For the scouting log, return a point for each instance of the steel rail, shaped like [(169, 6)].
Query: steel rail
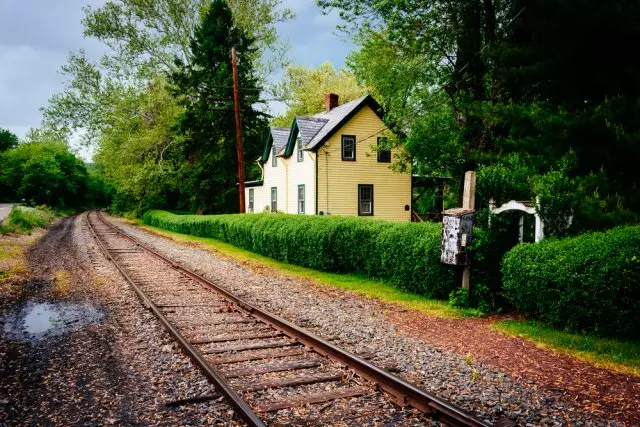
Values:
[(404, 392), (240, 405)]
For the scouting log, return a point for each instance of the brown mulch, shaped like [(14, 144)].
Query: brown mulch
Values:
[(597, 390)]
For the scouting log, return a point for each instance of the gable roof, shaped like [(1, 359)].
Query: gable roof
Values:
[(278, 137), (337, 116), (315, 130)]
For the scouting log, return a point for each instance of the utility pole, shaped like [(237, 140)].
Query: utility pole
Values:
[(240, 149)]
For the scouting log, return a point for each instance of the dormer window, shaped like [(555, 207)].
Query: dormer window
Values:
[(299, 149), (274, 158)]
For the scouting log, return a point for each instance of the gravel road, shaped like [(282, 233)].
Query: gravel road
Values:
[(360, 324)]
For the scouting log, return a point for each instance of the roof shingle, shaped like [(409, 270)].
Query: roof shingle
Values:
[(280, 137)]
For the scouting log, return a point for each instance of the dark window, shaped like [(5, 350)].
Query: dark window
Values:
[(274, 158), (349, 147), (274, 199), (300, 152), (384, 151), (251, 200), (365, 199), (301, 199)]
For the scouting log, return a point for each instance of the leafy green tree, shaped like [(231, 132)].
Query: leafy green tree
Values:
[(140, 150), (303, 90), (205, 86), (149, 35), (7, 140), (512, 87), (45, 173)]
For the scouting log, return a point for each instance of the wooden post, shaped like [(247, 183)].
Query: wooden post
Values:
[(240, 149), (469, 193), (468, 202)]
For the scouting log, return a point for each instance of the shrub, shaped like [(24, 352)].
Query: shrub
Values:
[(583, 283), (406, 255), (23, 220)]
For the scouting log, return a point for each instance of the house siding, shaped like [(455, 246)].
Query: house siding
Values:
[(302, 173), (286, 176), (338, 180)]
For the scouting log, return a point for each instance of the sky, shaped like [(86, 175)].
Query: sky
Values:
[(36, 37)]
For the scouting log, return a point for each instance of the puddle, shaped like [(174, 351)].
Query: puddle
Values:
[(39, 320)]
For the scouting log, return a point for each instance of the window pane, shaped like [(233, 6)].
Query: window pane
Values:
[(274, 159), (384, 152), (300, 152), (365, 199), (365, 194), (348, 147)]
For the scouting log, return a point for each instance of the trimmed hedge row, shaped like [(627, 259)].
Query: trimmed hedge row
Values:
[(406, 255), (586, 283)]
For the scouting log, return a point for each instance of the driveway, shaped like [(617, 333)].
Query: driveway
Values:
[(5, 208)]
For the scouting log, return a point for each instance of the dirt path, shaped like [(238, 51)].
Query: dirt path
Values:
[(106, 361), (76, 378)]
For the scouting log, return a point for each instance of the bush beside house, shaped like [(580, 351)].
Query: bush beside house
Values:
[(406, 255), (584, 283)]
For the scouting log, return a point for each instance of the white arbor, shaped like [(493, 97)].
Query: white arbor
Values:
[(525, 207)]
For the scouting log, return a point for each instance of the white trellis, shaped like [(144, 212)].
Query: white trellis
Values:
[(526, 207)]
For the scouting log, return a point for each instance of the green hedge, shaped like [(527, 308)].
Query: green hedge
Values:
[(406, 255), (586, 283)]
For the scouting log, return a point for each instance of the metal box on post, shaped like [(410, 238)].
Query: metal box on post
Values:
[(457, 235)]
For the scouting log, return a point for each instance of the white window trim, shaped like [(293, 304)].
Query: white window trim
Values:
[(302, 201)]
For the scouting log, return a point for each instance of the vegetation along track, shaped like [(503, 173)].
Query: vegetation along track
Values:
[(268, 369)]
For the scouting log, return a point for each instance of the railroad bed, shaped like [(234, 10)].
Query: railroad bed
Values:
[(269, 370)]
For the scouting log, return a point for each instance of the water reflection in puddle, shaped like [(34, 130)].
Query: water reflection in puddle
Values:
[(39, 320)]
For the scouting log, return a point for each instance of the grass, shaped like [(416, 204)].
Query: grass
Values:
[(356, 283), (22, 220), (61, 283), (622, 356)]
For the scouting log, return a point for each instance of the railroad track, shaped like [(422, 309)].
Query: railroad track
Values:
[(268, 369)]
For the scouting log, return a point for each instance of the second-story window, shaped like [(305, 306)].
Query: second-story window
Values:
[(384, 151), (299, 147), (274, 159), (348, 148)]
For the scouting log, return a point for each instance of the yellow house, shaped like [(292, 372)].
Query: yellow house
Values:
[(332, 163)]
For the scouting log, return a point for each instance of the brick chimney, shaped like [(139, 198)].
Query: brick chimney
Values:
[(330, 101)]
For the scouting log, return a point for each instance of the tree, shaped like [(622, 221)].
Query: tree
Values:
[(45, 173), (141, 151), (143, 39), (7, 140), (148, 35), (205, 86), (303, 90), (510, 87)]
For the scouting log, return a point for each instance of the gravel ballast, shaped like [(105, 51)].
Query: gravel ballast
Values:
[(359, 324), (114, 366)]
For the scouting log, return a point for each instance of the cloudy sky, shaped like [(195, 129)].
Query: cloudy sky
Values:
[(37, 35)]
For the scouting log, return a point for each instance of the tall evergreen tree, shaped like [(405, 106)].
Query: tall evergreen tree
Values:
[(205, 86)]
